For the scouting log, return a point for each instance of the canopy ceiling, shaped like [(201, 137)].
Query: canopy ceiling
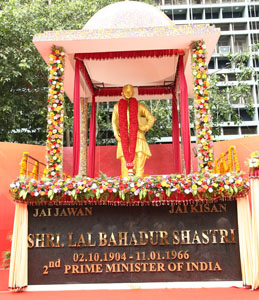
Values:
[(127, 26)]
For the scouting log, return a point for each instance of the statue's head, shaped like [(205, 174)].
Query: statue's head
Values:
[(127, 91)]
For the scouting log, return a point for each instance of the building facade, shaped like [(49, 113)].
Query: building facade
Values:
[(239, 24)]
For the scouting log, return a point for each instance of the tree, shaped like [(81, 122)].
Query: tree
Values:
[(224, 98), (23, 73)]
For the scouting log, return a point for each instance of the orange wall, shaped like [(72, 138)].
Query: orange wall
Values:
[(10, 157), (159, 163), (244, 146)]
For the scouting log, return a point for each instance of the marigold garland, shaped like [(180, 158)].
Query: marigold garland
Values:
[(233, 164), (154, 190), (201, 106), (54, 144)]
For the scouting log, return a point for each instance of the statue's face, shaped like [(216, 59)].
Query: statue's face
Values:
[(128, 91)]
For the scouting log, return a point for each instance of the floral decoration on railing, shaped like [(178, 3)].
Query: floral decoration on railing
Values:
[(201, 106), (152, 190), (232, 164), (253, 163), (54, 144)]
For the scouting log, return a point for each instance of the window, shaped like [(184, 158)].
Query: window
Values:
[(211, 64), (239, 26), (223, 62), (233, 12), (232, 77), (179, 14), (223, 27), (249, 130), (169, 13), (240, 43), (230, 130), (253, 11), (244, 116), (212, 13)]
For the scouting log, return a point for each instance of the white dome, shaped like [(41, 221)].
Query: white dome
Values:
[(128, 14)]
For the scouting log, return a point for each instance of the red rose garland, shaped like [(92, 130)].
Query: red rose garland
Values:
[(128, 136)]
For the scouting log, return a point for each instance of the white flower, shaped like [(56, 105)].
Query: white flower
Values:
[(114, 190), (94, 186), (12, 185), (136, 192), (226, 187), (210, 190), (132, 185), (186, 191)]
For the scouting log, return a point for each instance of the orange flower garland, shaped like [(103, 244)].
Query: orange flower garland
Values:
[(233, 164), (201, 106), (55, 117)]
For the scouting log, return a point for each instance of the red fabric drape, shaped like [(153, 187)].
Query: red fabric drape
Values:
[(154, 90), (129, 54), (185, 125), (76, 121), (108, 92), (92, 137), (86, 76), (177, 166)]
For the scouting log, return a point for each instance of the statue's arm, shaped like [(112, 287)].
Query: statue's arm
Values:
[(115, 123), (145, 112)]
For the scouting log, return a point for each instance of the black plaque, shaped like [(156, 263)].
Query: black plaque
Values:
[(107, 244)]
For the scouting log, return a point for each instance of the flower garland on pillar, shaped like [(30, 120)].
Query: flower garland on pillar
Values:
[(129, 133), (201, 107), (55, 116)]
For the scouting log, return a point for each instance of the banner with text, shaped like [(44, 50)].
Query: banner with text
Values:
[(107, 244)]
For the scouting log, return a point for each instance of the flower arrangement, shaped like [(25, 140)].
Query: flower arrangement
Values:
[(54, 144), (201, 106), (253, 163), (154, 190)]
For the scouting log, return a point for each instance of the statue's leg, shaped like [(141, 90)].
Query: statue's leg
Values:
[(140, 160), (124, 169)]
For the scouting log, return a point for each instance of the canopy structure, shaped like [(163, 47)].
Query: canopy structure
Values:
[(132, 43), (124, 43)]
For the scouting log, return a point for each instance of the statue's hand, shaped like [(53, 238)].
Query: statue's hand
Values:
[(117, 137), (143, 128)]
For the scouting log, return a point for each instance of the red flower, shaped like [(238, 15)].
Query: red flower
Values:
[(158, 185), (128, 137), (150, 192)]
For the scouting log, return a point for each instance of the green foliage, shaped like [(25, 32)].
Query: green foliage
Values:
[(23, 73), (224, 98)]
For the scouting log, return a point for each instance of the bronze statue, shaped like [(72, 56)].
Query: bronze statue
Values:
[(139, 120)]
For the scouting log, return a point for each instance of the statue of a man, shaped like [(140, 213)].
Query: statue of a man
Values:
[(130, 121)]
